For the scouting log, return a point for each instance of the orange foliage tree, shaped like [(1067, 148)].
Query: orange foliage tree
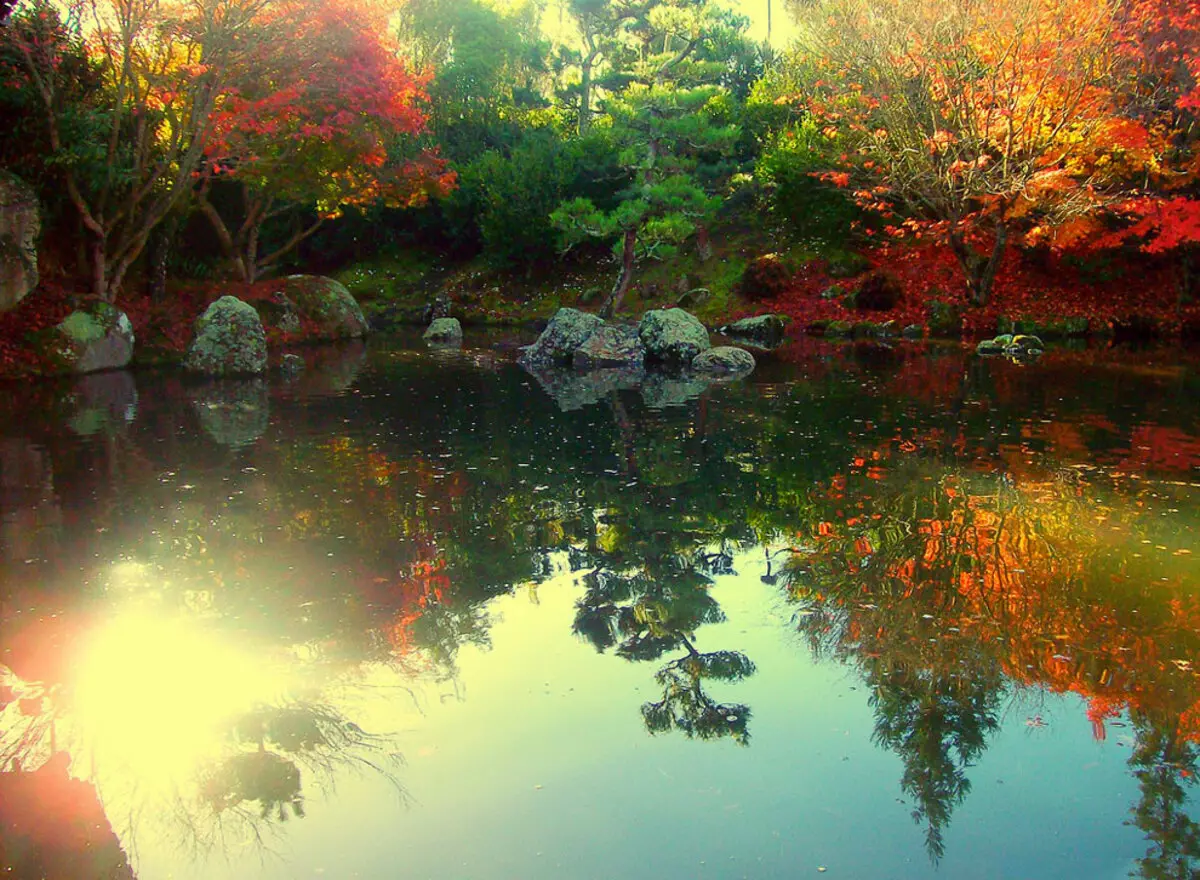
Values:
[(327, 117), (977, 120)]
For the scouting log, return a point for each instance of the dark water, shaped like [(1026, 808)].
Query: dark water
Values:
[(868, 614)]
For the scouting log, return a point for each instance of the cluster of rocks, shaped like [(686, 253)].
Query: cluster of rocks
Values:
[(1020, 346), (580, 358), (229, 338)]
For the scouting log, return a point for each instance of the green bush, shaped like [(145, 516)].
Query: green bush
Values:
[(810, 207)]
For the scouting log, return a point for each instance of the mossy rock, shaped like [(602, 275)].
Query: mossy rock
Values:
[(672, 335), (765, 277), (97, 336), (839, 329), (327, 304), (229, 340), (1047, 328)]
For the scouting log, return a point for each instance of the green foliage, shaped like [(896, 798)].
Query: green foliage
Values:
[(795, 197), (508, 197)]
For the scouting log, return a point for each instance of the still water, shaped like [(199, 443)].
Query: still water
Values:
[(866, 614)]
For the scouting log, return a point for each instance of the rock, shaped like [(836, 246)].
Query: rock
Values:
[(234, 412), (571, 390), (291, 365), (229, 340), (879, 291), (567, 330), (838, 328), (328, 304), (612, 345), (764, 329), (20, 224), (723, 360), (833, 291), (913, 331), (444, 331), (96, 337), (989, 347), (672, 335), (1020, 346), (765, 277), (945, 319), (694, 297)]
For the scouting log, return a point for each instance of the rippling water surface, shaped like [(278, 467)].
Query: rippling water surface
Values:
[(420, 614)]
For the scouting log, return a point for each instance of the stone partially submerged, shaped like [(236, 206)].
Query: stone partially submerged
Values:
[(764, 330), (724, 360), (672, 336), (566, 332), (328, 305), (444, 331), (611, 345), (229, 341)]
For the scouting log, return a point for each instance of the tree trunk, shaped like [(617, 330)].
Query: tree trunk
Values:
[(703, 244), (229, 247), (612, 302), (161, 242), (979, 269), (585, 93)]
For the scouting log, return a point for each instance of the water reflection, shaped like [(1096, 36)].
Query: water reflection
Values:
[(201, 633)]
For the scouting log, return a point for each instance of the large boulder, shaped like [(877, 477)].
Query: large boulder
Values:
[(328, 305), (724, 360), (567, 330), (945, 319), (444, 331), (229, 340), (93, 338), (765, 330), (673, 336), (611, 345), (20, 224)]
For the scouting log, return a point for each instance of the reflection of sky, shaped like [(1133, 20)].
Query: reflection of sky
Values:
[(535, 764)]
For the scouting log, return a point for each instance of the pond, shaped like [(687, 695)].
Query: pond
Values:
[(867, 613)]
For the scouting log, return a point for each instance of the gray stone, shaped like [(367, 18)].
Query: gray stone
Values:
[(611, 345), (913, 331), (328, 304), (689, 299), (444, 331), (229, 340), (567, 330), (96, 337), (234, 412), (763, 329), (673, 335), (723, 360), (20, 224)]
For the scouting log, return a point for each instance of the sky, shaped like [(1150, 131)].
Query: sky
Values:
[(782, 27)]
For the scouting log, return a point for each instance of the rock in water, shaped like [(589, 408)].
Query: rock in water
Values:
[(97, 337), (724, 360), (20, 223), (673, 336), (764, 329), (328, 304), (229, 340), (567, 330), (444, 331), (611, 345)]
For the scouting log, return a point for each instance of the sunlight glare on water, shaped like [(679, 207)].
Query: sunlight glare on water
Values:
[(154, 695)]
